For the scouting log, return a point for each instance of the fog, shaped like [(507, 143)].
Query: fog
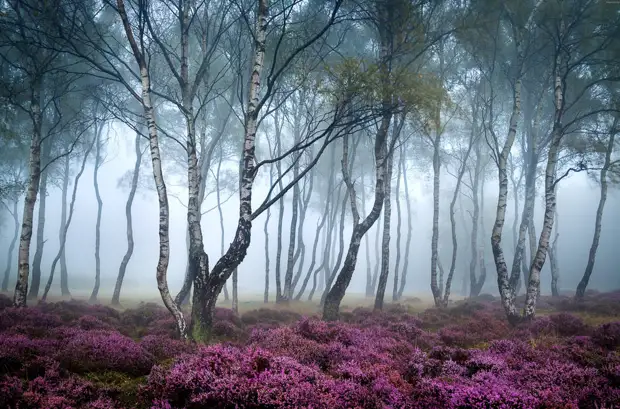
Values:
[(577, 200)]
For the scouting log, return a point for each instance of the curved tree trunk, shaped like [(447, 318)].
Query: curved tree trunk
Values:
[(38, 254), (34, 168), (164, 211), (63, 238), (583, 284), (301, 246), (95, 293), (7, 270), (457, 188), (266, 231), (220, 213), (398, 227), (130, 244), (336, 265)]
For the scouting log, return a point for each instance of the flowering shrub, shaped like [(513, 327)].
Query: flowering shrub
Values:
[(104, 351), (73, 355)]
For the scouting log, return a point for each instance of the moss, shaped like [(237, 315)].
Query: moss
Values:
[(121, 387)]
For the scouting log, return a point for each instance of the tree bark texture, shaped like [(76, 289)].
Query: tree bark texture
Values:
[(95, 292)]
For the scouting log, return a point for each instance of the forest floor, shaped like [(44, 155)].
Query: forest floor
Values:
[(67, 354)]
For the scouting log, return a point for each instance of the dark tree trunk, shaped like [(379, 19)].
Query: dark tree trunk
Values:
[(63, 238), (583, 284), (130, 243), (324, 218), (7, 270), (64, 275), (95, 292), (377, 268), (331, 308), (333, 270), (403, 277), (301, 246), (474, 287), (266, 231), (459, 179)]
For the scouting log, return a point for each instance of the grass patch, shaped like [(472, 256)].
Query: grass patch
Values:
[(121, 387)]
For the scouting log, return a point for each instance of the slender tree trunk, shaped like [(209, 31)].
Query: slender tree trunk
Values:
[(287, 295), (63, 237), (516, 185), (457, 188), (38, 254), (332, 268), (375, 274), (164, 213), (506, 288), (95, 293), (473, 280), (301, 246), (398, 227), (208, 287), (266, 231), (583, 284), (130, 244), (385, 241), (529, 310), (219, 211), (403, 278), (533, 286), (526, 218), (435, 287), (34, 167), (7, 270), (369, 277), (553, 259), (64, 275), (331, 306), (320, 228)]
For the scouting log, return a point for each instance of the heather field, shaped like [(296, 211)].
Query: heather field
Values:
[(70, 354)]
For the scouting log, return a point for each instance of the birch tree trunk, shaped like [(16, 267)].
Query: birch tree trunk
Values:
[(63, 237), (207, 288), (385, 241), (598, 222), (266, 231), (435, 286), (398, 227), (533, 285), (375, 274), (473, 280), (331, 308), (369, 276), (162, 196), (129, 224), (95, 292), (7, 270), (64, 276), (34, 167), (553, 259), (38, 254)]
